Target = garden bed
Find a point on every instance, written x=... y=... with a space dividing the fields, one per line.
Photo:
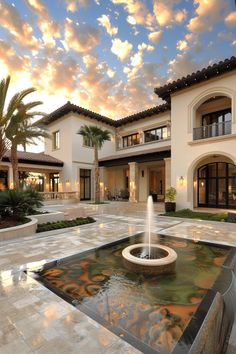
x=189 y=214
x=28 y=228
x=11 y=222
x=64 y=224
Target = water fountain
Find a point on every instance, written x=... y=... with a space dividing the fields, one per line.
x=148 y=257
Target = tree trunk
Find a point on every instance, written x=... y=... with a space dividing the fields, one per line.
x=97 y=179
x=3 y=147
x=14 y=162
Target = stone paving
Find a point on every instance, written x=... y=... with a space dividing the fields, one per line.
x=34 y=320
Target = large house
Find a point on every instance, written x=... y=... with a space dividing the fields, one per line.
x=188 y=142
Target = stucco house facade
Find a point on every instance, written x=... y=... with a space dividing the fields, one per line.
x=188 y=142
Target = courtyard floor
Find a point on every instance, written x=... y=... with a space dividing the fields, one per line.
x=35 y=320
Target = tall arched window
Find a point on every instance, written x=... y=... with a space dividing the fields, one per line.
x=217 y=185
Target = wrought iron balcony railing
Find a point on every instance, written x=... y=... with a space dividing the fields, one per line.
x=212 y=130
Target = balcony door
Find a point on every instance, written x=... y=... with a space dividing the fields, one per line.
x=217 y=185
x=85 y=184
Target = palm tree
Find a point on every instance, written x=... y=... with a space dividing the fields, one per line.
x=7 y=113
x=21 y=130
x=97 y=137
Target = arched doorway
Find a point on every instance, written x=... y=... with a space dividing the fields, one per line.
x=217 y=185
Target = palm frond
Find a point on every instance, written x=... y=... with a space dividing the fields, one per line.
x=95 y=134
x=4 y=84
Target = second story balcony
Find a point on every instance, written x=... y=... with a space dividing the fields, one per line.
x=212 y=130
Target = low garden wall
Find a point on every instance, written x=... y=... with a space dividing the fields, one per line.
x=49 y=217
x=19 y=231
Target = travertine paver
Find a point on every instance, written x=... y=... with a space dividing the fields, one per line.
x=34 y=320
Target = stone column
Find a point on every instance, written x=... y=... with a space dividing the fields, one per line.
x=103 y=183
x=78 y=183
x=47 y=183
x=10 y=178
x=167 y=172
x=133 y=182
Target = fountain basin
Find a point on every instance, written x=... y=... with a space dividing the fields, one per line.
x=162 y=259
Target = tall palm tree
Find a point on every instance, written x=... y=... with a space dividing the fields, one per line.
x=7 y=111
x=97 y=137
x=21 y=130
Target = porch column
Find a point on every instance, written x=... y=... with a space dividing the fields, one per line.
x=103 y=183
x=167 y=172
x=133 y=182
x=47 y=183
x=78 y=183
x=10 y=178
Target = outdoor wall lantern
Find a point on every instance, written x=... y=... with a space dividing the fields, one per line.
x=181 y=180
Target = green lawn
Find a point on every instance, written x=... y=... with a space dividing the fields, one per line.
x=187 y=213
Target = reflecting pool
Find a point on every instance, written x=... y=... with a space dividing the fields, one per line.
x=150 y=312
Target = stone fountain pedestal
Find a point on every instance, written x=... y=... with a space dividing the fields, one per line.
x=163 y=260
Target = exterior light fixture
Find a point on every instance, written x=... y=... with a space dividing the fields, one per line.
x=181 y=180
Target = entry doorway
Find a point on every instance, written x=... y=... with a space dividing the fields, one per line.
x=85 y=184
x=156 y=187
x=54 y=182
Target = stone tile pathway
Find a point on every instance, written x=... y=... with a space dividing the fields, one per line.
x=34 y=320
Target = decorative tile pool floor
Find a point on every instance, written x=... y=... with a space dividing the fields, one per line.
x=34 y=320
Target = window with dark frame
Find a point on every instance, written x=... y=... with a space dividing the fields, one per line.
x=159 y=133
x=56 y=140
x=217 y=117
x=130 y=140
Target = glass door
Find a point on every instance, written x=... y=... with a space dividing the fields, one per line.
x=54 y=182
x=217 y=185
x=85 y=184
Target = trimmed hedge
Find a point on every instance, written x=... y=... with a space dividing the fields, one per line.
x=63 y=224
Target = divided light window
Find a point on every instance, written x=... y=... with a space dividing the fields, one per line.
x=56 y=140
x=155 y=134
x=217 y=117
x=130 y=140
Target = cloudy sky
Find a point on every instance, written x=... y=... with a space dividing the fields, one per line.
x=108 y=55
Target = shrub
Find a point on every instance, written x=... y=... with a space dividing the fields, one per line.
x=63 y=224
x=17 y=203
x=170 y=195
x=13 y=203
x=34 y=199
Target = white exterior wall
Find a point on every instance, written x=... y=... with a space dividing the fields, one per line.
x=72 y=151
x=64 y=153
x=186 y=153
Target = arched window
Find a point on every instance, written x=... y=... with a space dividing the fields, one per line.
x=212 y=117
x=217 y=185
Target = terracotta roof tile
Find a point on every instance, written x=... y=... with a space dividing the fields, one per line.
x=35 y=158
x=201 y=75
x=70 y=107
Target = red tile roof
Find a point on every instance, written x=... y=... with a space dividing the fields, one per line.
x=201 y=75
x=34 y=158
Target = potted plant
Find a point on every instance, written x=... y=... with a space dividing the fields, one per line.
x=170 y=198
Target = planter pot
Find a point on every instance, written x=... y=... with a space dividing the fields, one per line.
x=170 y=206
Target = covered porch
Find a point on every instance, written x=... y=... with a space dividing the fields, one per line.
x=36 y=170
x=134 y=178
